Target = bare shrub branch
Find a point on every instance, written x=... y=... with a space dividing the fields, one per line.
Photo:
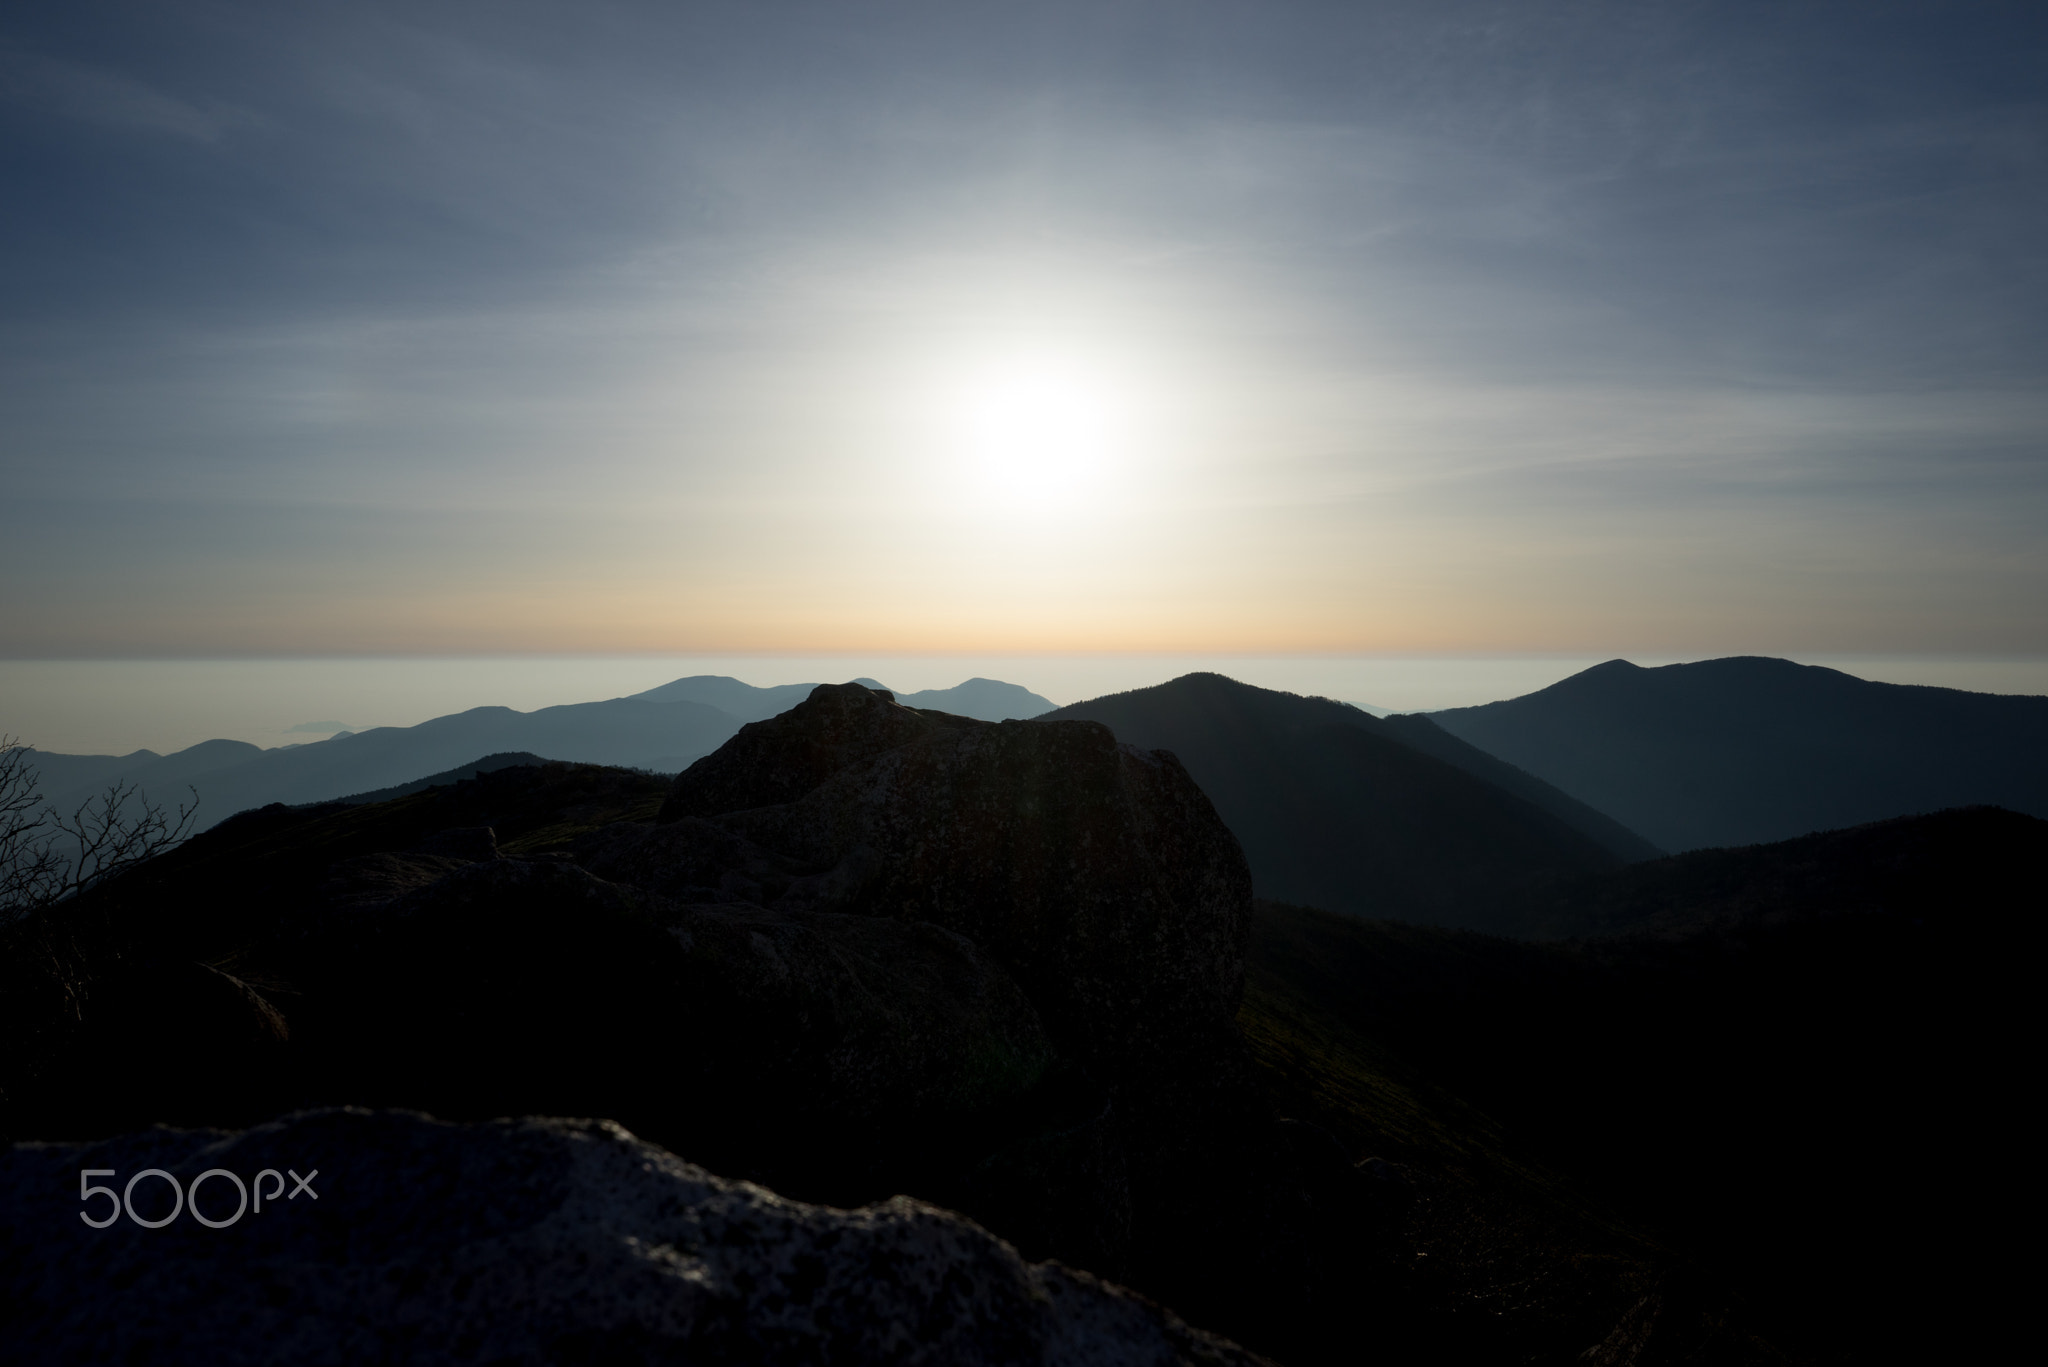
x=46 y=856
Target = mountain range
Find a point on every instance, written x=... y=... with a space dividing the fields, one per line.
x=1469 y=817
x=662 y=729
x=1737 y=1107
x=1378 y=817
x=1746 y=750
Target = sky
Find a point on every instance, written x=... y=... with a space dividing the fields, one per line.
x=726 y=329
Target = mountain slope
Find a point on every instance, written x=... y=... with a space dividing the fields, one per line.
x=1336 y=810
x=1418 y=732
x=1746 y=750
x=1804 y=1068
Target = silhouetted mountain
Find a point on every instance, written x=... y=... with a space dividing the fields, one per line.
x=1744 y=750
x=1801 y=1070
x=232 y=776
x=1340 y=809
x=665 y=729
x=63 y=775
x=987 y=699
x=68 y=780
x=739 y=700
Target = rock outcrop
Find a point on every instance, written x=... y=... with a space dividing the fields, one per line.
x=837 y=1053
x=549 y=1241
x=1098 y=874
x=779 y=760
x=860 y=1018
x=1099 y=877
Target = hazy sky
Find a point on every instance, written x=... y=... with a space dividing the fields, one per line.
x=694 y=327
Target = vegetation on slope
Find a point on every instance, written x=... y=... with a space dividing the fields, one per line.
x=1793 y=1089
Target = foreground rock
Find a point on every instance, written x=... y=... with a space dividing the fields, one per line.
x=536 y=1241
x=862 y=950
x=828 y=1055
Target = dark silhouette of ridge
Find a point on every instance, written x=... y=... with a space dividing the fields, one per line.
x=1336 y=808
x=1800 y=1062
x=1969 y=864
x=489 y=764
x=1746 y=750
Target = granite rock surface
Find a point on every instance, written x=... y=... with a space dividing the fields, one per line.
x=535 y=1241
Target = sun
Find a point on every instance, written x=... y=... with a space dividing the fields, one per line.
x=1037 y=432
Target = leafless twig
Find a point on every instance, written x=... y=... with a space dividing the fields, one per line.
x=46 y=857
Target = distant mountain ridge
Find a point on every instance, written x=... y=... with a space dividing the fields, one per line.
x=232 y=776
x=1748 y=750
x=984 y=699
x=663 y=729
x=1339 y=809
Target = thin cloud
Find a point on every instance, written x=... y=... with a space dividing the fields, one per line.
x=110 y=99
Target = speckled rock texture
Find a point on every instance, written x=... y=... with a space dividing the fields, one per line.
x=858 y=1018
x=548 y=1241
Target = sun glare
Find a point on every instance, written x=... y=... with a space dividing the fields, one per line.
x=1037 y=433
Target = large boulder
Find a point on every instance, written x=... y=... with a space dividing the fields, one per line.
x=859 y=1018
x=781 y=759
x=551 y=1241
x=694 y=860
x=1097 y=873
x=853 y=1050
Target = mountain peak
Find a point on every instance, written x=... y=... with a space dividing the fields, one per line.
x=1748 y=749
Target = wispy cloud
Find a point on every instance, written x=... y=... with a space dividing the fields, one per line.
x=622 y=321
x=111 y=99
